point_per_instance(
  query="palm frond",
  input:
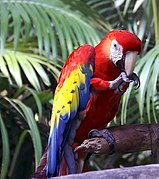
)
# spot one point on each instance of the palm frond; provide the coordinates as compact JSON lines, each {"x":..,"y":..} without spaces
{"x":108,"y":11}
{"x":15,"y":102}
{"x":147,"y":95}
{"x":34,"y":95}
{"x":5,"y":149}
{"x":142,"y":24}
{"x":34,"y":99}
{"x":27,"y":114}
{"x":17,"y":151}
{"x":20,"y":66}
{"x":34,"y":132}
{"x":51,"y":22}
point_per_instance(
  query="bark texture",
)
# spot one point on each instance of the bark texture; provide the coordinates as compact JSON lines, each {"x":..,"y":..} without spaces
{"x":129,"y":138}
{"x":139,"y":172}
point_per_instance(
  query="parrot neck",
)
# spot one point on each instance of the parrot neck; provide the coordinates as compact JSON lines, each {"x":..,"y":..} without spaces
{"x":104,"y":68}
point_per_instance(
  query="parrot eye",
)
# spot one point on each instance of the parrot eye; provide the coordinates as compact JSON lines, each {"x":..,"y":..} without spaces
{"x":115,"y":45}
{"x":115,"y":51}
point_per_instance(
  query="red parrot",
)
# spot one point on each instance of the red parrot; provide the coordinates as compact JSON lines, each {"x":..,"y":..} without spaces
{"x":87,"y":97}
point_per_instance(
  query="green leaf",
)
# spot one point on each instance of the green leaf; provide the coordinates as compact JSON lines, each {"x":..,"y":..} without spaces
{"x":37,"y":26}
{"x":37,"y":100}
{"x":144,"y":77}
{"x":17,"y":150}
{"x":29,"y":71}
{"x":119,"y":2}
{"x":48,"y":21}
{"x":4,"y":69}
{"x":4,"y":25}
{"x":5,"y":149}
{"x":58,"y":27}
{"x":137,"y":5}
{"x":17,"y":24}
{"x":40,"y":70}
{"x":124,"y":107}
{"x":34,"y":132}
{"x":53,"y":69}
{"x":13,"y":67}
{"x":154,"y":79}
{"x":127,"y":4}
{"x":26,"y":19}
{"x":46,"y":28}
{"x":45,"y":96}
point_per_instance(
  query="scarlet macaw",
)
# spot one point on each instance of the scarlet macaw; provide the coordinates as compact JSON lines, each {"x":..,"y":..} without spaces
{"x":89,"y":90}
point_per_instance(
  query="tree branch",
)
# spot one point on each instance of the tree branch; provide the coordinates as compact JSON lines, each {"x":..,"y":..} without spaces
{"x":139,"y":172}
{"x":129,"y":138}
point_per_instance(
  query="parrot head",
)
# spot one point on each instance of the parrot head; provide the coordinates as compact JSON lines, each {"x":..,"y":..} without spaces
{"x":121,"y":47}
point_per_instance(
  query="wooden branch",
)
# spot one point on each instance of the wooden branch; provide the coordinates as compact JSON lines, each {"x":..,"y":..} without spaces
{"x":129,"y":138}
{"x":138,"y":172}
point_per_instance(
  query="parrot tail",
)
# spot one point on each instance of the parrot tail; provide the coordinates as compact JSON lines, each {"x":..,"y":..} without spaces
{"x":55,"y":150}
{"x":52,"y":155}
{"x":41,"y":169}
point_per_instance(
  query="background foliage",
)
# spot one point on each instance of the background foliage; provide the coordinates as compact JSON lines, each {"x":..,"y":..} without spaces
{"x":36,"y":37}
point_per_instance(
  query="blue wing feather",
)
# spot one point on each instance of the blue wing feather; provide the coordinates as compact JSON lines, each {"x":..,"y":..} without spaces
{"x":52,"y":153}
{"x":67,"y":104}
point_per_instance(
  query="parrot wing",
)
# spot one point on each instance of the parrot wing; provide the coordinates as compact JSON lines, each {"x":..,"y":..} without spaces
{"x":71,"y":96}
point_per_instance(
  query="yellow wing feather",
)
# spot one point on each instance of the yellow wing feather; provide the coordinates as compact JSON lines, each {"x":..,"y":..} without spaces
{"x":66,"y":96}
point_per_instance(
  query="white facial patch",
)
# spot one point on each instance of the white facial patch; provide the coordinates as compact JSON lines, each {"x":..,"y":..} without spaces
{"x":115,"y":51}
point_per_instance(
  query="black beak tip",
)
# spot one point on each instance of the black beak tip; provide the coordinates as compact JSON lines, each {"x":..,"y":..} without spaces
{"x":120,"y":65}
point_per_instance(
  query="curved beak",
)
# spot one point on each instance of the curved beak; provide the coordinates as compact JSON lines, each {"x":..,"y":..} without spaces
{"x":130,"y":62}
{"x":127,"y":64}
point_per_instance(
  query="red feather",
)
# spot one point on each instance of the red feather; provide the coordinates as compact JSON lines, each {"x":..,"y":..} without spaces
{"x":78,"y":56}
{"x":103,"y":105}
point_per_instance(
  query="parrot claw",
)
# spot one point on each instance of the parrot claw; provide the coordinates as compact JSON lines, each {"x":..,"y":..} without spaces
{"x":125,"y":78}
{"x":92,"y":145}
{"x":120,"y":87}
{"x":122,"y":79}
{"x":94,"y":133}
{"x":107,"y":135}
{"x":136,"y":80}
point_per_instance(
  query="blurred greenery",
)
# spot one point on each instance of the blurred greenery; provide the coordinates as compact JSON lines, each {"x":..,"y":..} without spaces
{"x":36,"y":37}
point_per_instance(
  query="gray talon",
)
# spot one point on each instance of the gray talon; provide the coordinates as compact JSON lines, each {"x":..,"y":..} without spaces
{"x":120,"y":87}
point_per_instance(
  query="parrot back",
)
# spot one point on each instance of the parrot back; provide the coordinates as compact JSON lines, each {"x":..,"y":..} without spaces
{"x":71,"y":96}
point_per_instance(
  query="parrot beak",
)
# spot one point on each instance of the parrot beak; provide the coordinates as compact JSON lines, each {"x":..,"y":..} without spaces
{"x":130,"y":62}
{"x":127,"y":64}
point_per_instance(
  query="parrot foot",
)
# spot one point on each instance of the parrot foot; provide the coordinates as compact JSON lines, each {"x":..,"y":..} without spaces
{"x":122,"y":79}
{"x":135,"y":79}
{"x":107,"y":135}
{"x":90,"y":146}
{"x":94,"y":143}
